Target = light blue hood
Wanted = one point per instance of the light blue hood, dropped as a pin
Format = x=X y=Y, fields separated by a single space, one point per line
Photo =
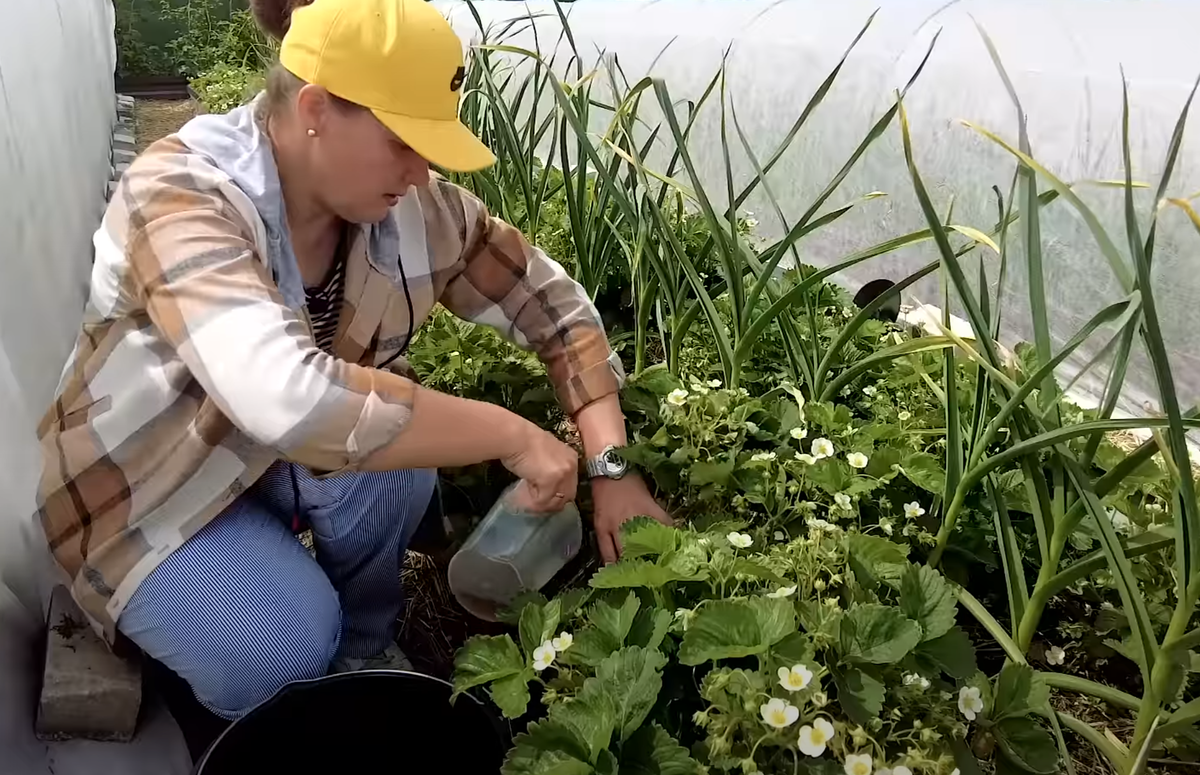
x=239 y=148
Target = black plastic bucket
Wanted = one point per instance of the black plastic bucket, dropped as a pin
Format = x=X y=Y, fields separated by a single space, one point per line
x=375 y=721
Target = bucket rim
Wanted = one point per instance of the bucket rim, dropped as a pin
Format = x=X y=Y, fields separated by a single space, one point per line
x=503 y=736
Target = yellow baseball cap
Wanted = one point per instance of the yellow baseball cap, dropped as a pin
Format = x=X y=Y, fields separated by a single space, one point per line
x=398 y=58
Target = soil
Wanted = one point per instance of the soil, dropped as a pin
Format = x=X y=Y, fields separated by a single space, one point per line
x=155 y=119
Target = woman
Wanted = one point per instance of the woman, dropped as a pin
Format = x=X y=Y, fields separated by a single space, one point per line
x=257 y=278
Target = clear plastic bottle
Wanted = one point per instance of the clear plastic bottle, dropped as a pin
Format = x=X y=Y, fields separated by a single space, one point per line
x=512 y=551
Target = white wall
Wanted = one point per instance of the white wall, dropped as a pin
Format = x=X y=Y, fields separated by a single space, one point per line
x=1064 y=57
x=57 y=109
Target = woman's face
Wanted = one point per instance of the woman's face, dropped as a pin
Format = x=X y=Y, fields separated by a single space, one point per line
x=360 y=167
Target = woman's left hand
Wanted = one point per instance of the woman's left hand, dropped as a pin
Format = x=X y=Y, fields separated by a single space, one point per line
x=617 y=501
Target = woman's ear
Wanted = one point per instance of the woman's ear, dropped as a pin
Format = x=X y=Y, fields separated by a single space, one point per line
x=313 y=107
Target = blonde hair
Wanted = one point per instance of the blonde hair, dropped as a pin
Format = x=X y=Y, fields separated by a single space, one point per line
x=282 y=87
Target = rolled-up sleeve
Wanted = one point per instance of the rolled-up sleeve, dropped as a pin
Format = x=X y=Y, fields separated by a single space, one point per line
x=503 y=281
x=210 y=297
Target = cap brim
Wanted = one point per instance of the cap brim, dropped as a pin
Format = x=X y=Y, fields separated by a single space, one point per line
x=446 y=144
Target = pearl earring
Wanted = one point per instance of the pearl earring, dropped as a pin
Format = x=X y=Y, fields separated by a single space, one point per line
x=312 y=133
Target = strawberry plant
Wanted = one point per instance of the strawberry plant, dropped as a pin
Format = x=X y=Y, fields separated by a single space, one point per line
x=731 y=650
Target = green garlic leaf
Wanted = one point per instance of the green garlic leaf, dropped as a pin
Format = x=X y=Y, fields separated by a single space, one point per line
x=644 y=536
x=1027 y=745
x=927 y=599
x=640 y=573
x=860 y=693
x=511 y=694
x=952 y=653
x=485 y=658
x=924 y=470
x=724 y=629
x=547 y=748
x=1018 y=691
x=633 y=678
x=652 y=751
x=878 y=633
x=868 y=555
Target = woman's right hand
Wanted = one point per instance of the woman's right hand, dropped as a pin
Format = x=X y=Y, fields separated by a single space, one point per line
x=548 y=468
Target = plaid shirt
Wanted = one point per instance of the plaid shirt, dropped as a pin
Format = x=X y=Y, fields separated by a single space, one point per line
x=191 y=375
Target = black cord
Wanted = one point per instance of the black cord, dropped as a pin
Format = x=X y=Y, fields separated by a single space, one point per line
x=408 y=299
x=296 y=492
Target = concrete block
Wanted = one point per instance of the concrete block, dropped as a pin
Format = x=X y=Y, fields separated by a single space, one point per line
x=121 y=137
x=123 y=157
x=87 y=691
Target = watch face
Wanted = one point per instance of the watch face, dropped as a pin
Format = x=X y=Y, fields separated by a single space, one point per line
x=613 y=464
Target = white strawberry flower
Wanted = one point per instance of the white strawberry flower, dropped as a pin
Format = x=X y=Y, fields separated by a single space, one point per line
x=885 y=525
x=970 y=703
x=857 y=460
x=799 y=434
x=869 y=391
x=820 y=699
x=795 y=678
x=677 y=397
x=779 y=535
x=751 y=427
x=822 y=448
x=740 y=540
x=914 y=679
x=814 y=737
x=806 y=459
x=904 y=416
x=714 y=383
x=1056 y=656
x=779 y=713
x=782 y=592
x=562 y=642
x=543 y=656
x=913 y=510
x=762 y=457
x=1120 y=522
x=842 y=500
x=858 y=764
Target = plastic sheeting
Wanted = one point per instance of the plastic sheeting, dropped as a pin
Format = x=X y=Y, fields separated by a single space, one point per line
x=57 y=110
x=1064 y=57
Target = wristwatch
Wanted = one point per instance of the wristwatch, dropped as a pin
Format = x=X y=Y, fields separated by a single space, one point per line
x=607 y=464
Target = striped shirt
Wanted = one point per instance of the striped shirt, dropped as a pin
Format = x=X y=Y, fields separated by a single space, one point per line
x=191 y=374
x=325 y=305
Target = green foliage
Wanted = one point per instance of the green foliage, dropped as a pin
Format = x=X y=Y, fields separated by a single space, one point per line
x=734 y=631
x=224 y=87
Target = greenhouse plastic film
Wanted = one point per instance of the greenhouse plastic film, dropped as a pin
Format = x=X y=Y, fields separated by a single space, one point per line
x=1065 y=61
